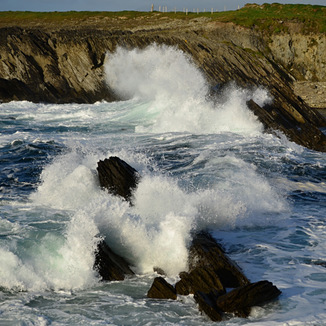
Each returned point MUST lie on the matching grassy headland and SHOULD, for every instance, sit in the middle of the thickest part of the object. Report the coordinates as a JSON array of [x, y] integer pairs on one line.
[[269, 17]]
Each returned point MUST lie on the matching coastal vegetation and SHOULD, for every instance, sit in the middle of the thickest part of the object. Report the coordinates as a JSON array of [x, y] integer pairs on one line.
[[268, 17]]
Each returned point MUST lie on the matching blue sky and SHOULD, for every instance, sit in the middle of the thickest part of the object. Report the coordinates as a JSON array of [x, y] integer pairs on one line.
[[143, 5]]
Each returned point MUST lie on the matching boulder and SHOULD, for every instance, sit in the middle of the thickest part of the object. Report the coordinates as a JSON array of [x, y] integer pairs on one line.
[[161, 289], [239, 301], [110, 266], [118, 177], [207, 253]]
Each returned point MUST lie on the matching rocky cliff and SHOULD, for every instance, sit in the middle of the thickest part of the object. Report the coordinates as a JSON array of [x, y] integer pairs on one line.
[[64, 62]]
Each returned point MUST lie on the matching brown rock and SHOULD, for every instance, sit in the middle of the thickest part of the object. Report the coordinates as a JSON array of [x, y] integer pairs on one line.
[[298, 125], [239, 301], [199, 279], [161, 289], [207, 254]]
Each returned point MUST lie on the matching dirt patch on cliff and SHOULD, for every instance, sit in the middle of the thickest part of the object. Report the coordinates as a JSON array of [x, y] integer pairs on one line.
[[313, 93]]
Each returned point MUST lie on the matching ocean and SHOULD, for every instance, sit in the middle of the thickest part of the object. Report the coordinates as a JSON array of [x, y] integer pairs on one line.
[[204, 162]]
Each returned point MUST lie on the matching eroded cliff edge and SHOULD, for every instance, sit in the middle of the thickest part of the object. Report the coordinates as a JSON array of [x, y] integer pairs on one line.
[[60, 63]]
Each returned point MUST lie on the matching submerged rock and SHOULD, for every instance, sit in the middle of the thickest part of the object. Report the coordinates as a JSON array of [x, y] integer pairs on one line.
[[118, 177]]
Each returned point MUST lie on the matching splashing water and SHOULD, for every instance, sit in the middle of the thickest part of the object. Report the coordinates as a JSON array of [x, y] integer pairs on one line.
[[176, 92]]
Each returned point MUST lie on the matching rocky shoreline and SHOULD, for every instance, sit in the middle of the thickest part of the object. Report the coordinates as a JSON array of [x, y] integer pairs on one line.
[[63, 63]]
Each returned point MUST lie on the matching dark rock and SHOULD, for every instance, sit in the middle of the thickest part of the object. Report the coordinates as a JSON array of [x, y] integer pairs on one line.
[[210, 272], [207, 254], [161, 289], [110, 266], [239, 301], [207, 304], [199, 279], [301, 128], [117, 176]]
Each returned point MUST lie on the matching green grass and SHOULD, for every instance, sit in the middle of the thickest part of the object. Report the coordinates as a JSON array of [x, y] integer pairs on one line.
[[62, 15], [268, 17], [273, 17]]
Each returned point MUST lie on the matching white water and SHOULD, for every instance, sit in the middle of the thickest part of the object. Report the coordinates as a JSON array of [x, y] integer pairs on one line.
[[203, 164], [176, 92]]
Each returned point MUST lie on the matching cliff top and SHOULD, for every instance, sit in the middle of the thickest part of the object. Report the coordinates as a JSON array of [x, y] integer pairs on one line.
[[274, 18]]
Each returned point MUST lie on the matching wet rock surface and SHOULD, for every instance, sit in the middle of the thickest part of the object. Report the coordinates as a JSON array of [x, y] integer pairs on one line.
[[209, 268], [211, 273], [118, 177], [206, 253], [207, 305], [240, 300]]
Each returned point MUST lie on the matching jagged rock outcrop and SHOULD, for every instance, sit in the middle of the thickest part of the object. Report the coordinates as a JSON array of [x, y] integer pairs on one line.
[[211, 272], [161, 289], [209, 268], [48, 63], [206, 253], [291, 122], [237, 302], [240, 300], [118, 177]]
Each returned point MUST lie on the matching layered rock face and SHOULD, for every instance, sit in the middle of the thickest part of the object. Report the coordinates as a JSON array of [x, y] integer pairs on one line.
[[65, 63]]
